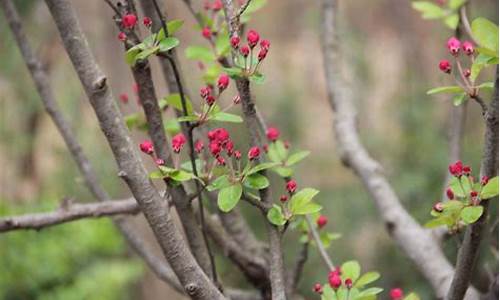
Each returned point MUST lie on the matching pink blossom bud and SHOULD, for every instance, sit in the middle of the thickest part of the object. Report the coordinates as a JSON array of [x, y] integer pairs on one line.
[[468, 48], [396, 294], [122, 36], [147, 147], [445, 66], [178, 142], [147, 22], [291, 186], [129, 21], [253, 38], [453, 45], [235, 41], [253, 153], [272, 134], [321, 221]]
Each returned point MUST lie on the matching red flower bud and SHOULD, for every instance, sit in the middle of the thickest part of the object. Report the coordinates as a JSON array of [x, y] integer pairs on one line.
[[220, 161], [198, 146], [272, 134], [265, 148], [124, 98], [147, 22], [205, 91], [456, 168], [160, 162], [210, 100], [178, 142], [348, 283], [445, 66], [235, 41], [223, 82], [291, 186], [337, 271], [147, 147], [237, 154], [229, 147], [438, 207], [484, 180], [206, 32], [252, 38], [129, 21], [467, 170], [321, 221], [473, 194], [217, 5], [122, 36], [317, 288], [262, 54], [245, 50], [215, 148], [335, 281], [253, 153], [453, 45], [396, 294], [468, 48], [265, 44], [283, 198], [467, 73], [450, 194]]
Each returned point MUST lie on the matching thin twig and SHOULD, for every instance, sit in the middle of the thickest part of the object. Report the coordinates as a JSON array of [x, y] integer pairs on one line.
[[480, 101], [242, 9], [322, 251], [465, 22]]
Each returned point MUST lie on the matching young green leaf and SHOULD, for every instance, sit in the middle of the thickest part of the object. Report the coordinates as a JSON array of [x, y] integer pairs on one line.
[[187, 119], [252, 7], [256, 181], [429, 10], [131, 54], [485, 33], [486, 85], [459, 99], [283, 171], [369, 292], [219, 183], [328, 293], [439, 221], [412, 296], [157, 174], [490, 189], [229, 196], [180, 175], [275, 216], [301, 199], [452, 21], [296, 157], [260, 167], [366, 278], [258, 78], [277, 151], [226, 117], [471, 214], [445, 89], [143, 55], [456, 4], [204, 54], [168, 43], [172, 127], [233, 72], [351, 269]]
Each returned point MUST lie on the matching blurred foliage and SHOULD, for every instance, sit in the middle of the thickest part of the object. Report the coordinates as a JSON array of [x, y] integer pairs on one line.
[[80, 260]]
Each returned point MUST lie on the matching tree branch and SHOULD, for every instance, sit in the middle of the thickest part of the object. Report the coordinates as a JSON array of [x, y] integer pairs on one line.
[[296, 272], [468, 252], [416, 242], [193, 279]]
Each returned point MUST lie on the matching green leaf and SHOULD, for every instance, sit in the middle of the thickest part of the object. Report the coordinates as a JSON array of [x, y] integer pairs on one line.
[[445, 89], [351, 269], [486, 34], [429, 10], [131, 54], [327, 238], [486, 51], [180, 175], [308, 208], [486, 85], [471, 214], [229, 196], [490, 189], [328, 293], [172, 127], [456, 4], [452, 21], [275, 216], [172, 28], [168, 43], [219, 183], [226, 117], [233, 72], [459, 99], [369, 292], [132, 120], [296, 157], [412, 296], [187, 119], [301, 199], [201, 53], [256, 181], [175, 101], [283, 171], [222, 45], [366, 278], [143, 55], [212, 73], [187, 166], [277, 151], [258, 78], [440, 221], [157, 174], [460, 187], [260, 167]]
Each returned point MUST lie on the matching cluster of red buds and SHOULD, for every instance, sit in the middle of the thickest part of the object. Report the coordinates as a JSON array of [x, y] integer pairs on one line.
[[214, 6], [455, 48], [396, 294], [246, 51], [459, 170], [129, 21], [207, 92]]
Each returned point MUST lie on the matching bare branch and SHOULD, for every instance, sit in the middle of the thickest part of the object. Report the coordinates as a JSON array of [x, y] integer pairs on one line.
[[195, 282], [416, 242], [468, 252], [242, 9], [68, 213], [296, 273]]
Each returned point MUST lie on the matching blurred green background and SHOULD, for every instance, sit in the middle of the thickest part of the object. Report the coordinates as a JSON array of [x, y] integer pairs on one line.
[[391, 58]]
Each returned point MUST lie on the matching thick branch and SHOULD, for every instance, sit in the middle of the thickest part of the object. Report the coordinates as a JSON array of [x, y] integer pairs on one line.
[[195, 282], [468, 252], [416, 242]]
